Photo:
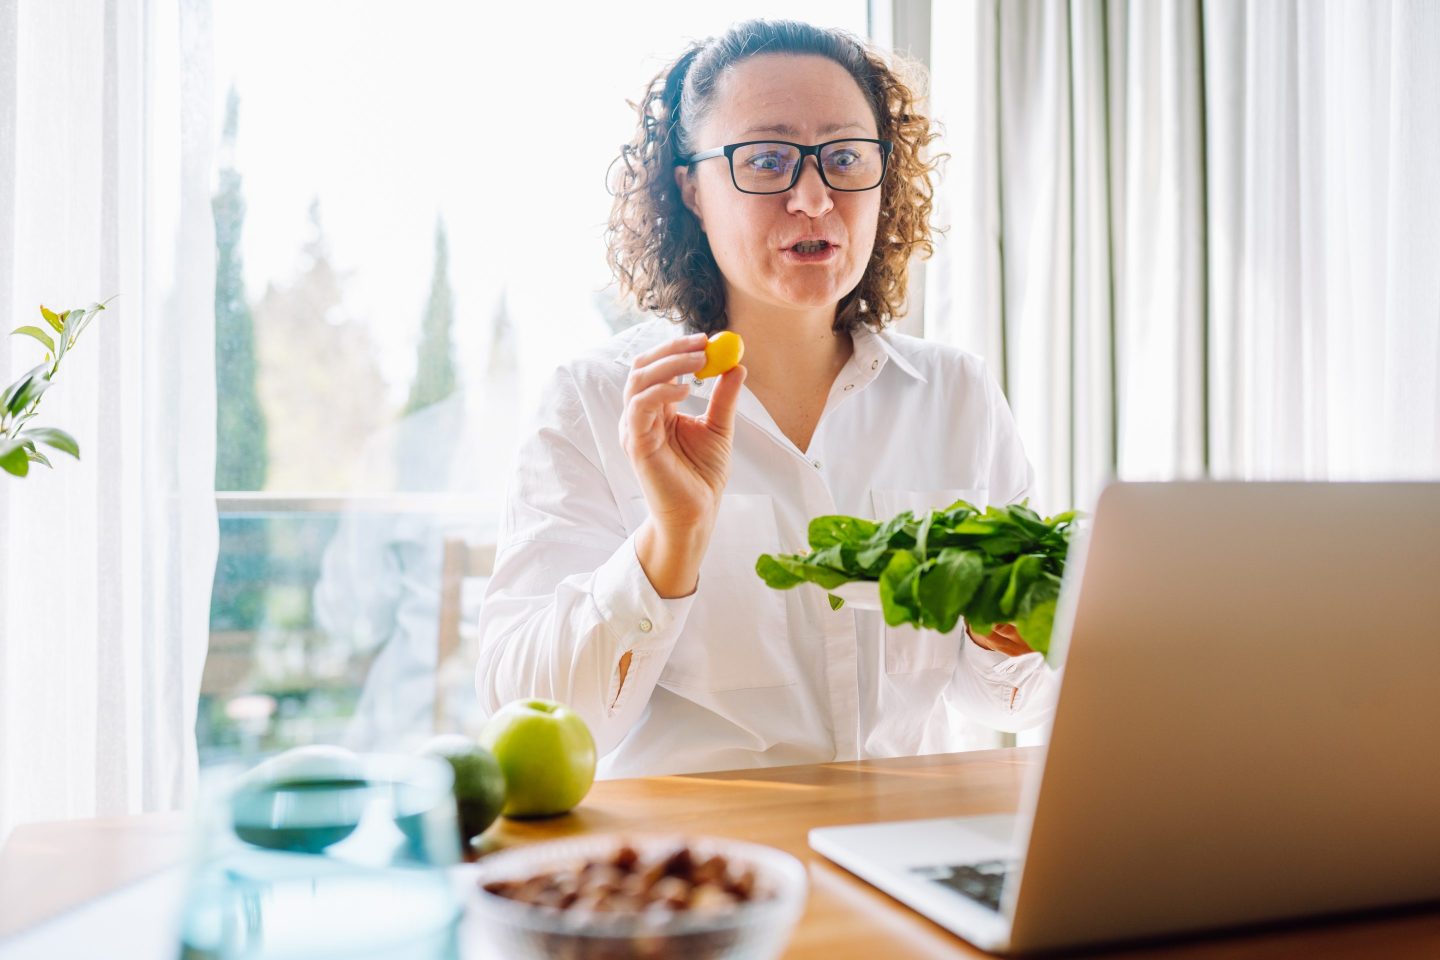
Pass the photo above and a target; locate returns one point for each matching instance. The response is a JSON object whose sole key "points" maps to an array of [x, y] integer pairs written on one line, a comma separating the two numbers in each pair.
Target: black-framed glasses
{"points": [[773, 166]]}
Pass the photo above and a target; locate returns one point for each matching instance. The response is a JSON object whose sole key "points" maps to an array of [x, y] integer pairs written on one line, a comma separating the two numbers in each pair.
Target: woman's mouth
{"points": [[810, 251]]}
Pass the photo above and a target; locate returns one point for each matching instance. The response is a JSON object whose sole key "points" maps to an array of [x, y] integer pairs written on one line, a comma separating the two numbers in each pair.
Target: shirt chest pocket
{"points": [[736, 636], [908, 650]]}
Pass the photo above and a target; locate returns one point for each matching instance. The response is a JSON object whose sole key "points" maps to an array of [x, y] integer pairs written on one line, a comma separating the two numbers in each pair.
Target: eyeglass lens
{"points": [[770, 167]]}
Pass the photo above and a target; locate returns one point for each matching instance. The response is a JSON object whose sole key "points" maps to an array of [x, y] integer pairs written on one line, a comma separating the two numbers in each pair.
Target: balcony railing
{"points": [[326, 618]]}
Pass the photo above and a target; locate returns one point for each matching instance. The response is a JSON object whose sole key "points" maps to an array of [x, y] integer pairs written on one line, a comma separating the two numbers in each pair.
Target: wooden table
{"points": [[844, 918]]}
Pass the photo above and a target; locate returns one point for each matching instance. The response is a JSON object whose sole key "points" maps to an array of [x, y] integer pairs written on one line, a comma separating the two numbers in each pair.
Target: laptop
{"points": [[1248, 728]]}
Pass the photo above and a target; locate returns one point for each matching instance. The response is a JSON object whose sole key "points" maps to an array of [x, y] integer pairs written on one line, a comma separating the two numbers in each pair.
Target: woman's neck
{"points": [[789, 352]]}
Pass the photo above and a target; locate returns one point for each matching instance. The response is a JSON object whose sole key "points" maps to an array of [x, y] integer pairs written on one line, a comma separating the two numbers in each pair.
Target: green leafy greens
{"points": [[999, 565]]}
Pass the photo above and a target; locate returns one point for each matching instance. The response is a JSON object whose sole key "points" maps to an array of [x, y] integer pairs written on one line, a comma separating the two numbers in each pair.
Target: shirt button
{"points": [[815, 464], [874, 364], [849, 386], [646, 626]]}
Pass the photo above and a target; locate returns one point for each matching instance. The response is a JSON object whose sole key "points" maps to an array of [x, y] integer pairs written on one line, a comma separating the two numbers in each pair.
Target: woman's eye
{"points": [[765, 162], [844, 158]]}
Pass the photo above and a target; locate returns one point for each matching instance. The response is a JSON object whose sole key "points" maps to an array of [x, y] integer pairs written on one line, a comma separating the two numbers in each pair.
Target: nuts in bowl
{"points": [[614, 897]]}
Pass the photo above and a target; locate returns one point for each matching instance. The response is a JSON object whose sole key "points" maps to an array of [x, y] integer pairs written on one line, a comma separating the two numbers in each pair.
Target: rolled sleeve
{"points": [[1004, 692], [629, 604], [642, 623]]}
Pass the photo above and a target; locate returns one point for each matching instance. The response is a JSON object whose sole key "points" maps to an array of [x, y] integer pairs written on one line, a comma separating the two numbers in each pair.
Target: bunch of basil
{"points": [[1000, 565]]}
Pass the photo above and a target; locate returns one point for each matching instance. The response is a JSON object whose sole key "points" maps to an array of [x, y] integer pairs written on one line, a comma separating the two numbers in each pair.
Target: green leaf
{"points": [[13, 458], [897, 594], [1036, 617], [15, 387], [52, 318], [945, 588], [872, 559], [90, 314], [976, 527], [922, 538], [1023, 573], [890, 535], [983, 611], [30, 390], [999, 565], [1005, 544], [1029, 521], [35, 456], [784, 571], [38, 334], [54, 437], [957, 513], [776, 574], [829, 531]]}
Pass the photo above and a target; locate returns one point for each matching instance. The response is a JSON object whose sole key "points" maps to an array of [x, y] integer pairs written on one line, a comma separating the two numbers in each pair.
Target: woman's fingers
{"points": [[1002, 638], [696, 341], [645, 415], [724, 399], [662, 370], [1009, 640], [680, 345]]}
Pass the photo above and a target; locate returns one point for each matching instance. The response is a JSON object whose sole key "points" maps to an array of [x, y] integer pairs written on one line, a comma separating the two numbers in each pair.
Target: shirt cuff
{"points": [[638, 617], [1000, 668]]}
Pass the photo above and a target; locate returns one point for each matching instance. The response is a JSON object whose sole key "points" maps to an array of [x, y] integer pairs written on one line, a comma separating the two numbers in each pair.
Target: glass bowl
{"points": [[499, 927]]}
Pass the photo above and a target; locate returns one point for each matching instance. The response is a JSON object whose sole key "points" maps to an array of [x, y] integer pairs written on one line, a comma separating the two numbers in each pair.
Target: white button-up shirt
{"points": [[737, 674]]}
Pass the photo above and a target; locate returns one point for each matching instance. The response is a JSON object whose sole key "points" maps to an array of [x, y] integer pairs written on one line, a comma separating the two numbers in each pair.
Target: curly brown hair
{"points": [[656, 248]]}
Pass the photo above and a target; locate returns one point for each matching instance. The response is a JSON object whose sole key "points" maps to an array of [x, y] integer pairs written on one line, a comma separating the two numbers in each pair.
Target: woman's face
{"points": [[806, 99]]}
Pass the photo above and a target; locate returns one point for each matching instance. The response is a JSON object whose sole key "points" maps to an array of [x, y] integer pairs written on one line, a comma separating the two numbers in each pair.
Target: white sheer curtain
{"points": [[1196, 238], [106, 564]]}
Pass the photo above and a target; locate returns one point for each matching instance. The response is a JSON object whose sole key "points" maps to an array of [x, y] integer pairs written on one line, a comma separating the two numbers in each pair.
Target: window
{"points": [[404, 255]]}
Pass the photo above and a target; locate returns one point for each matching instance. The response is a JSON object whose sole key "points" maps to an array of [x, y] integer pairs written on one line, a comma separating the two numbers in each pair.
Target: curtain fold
{"points": [[106, 563], [1196, 238]]}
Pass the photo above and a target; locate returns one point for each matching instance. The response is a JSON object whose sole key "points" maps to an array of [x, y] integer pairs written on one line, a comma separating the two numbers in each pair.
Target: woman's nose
{"points": [[809, 196]]}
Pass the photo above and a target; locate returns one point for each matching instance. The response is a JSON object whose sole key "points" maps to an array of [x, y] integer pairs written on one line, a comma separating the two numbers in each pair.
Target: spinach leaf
{"points": [[946, 587], [897, 589], [992, 566]]}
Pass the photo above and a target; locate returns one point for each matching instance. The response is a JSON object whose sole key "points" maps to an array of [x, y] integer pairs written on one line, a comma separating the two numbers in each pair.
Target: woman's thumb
{"points": [[720, 414]]}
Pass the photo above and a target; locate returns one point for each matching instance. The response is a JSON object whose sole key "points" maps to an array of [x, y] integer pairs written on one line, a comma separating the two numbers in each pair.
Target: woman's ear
{"points": [[686, 185]]}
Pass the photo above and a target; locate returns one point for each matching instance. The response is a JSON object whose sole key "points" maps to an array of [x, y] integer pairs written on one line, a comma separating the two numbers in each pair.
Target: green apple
{"points": [[546, 753], [479, 782]]}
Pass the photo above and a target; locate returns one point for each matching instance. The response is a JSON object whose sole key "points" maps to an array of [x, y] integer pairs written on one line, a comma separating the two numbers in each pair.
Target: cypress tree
{"points": [[435, 365], [240, 453], [241, 458]]}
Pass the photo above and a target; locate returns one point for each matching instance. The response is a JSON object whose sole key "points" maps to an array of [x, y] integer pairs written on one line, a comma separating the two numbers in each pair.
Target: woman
{"points": [[624, 583]]}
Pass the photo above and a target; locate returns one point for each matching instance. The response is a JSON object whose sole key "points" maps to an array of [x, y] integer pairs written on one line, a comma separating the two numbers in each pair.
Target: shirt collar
{"points": [[873, 349]]}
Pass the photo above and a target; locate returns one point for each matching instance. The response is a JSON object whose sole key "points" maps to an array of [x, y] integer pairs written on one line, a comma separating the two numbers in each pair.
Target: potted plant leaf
{"points": [[19, 442]]}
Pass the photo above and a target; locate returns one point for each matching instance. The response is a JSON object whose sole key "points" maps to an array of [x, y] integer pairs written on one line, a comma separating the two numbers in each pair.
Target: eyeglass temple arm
{"points": [[696, 158]]}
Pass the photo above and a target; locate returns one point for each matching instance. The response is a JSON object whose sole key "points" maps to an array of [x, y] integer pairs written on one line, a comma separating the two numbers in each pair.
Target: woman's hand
{"points": [[682, 462], [1003, 639]]}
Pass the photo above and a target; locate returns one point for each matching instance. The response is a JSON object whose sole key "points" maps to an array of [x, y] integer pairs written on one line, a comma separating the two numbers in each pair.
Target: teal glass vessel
{"points": [[350, 862]]}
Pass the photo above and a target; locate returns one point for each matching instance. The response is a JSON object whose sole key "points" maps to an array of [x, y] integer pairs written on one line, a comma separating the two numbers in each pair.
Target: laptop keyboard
{"points": [[981, 882]]}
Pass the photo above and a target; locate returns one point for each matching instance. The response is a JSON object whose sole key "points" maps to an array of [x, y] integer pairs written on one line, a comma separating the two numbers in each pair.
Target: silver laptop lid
{"points": [[1249, 726]]}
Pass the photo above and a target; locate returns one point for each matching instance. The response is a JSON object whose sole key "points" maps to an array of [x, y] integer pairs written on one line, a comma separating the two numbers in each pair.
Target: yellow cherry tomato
{"points": [[722, 353]]}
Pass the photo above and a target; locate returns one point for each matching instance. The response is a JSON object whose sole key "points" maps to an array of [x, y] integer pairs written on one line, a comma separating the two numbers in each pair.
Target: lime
{"points": [[479, 782]]}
